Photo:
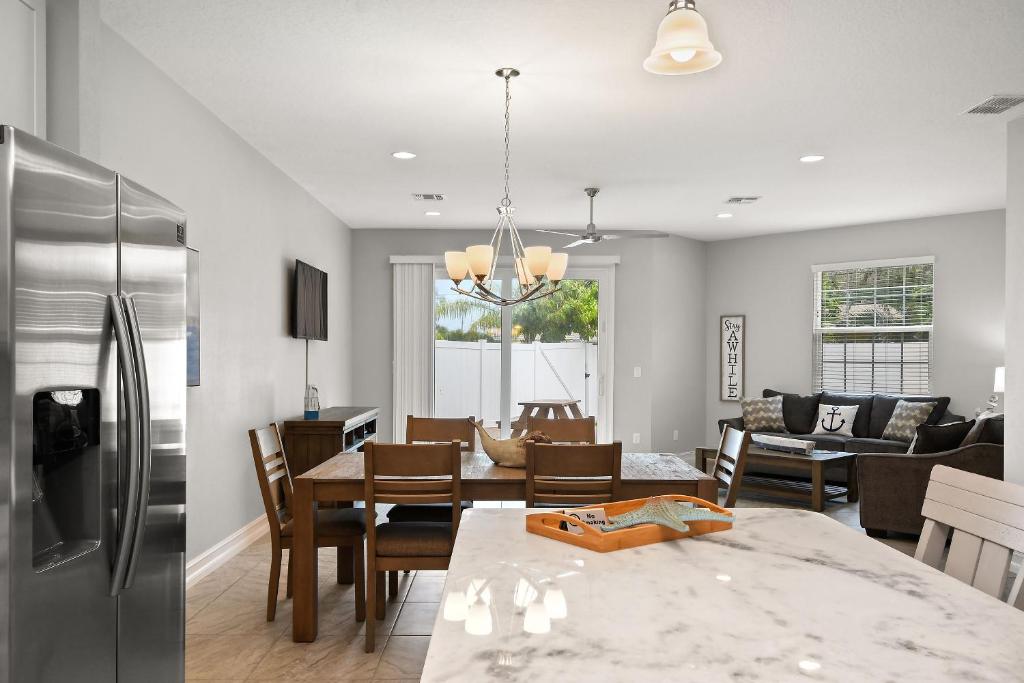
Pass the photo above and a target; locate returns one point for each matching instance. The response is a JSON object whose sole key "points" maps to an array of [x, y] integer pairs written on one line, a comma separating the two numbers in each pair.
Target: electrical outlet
{"points": [[636, 438], [636, 371], [675, 435]]}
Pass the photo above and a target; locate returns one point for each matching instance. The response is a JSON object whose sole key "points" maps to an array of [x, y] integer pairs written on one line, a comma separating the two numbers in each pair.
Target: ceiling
{"points": [[328, 89]]}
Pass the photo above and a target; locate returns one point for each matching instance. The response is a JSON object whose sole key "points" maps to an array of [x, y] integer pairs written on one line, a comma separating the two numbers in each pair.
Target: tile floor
{"points": [[227, 637]]}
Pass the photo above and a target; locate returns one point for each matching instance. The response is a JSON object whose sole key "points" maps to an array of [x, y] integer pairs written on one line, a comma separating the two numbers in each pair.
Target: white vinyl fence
{"points": [[467, 376]]}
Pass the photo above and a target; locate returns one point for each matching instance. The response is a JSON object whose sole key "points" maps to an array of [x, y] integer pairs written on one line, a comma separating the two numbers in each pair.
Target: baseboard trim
{"points": [[216, 556]]}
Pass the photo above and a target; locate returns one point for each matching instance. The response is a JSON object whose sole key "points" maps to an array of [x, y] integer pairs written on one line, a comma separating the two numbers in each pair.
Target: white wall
{"points": [[769, 280], [676, 285], [74, 59], [1015, 302], [658, 313], [23, 74], [250, 221]]}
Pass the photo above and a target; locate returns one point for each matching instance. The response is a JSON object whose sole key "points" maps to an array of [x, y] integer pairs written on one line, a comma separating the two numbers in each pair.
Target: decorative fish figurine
{"points": [[664, 512]]}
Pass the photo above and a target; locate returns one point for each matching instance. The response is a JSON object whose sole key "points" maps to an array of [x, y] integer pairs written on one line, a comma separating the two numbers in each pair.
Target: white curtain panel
{"points": [[413, 344]]}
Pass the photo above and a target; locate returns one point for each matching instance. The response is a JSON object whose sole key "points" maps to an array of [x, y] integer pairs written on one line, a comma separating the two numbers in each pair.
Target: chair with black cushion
{"points": [[434, 430], [408, 474], [564, 430], [342, 528], [558, 474]]}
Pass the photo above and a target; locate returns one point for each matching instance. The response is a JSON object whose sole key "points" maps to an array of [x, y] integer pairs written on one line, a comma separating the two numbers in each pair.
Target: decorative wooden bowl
{"points": [[507, 452], [550, 524]]}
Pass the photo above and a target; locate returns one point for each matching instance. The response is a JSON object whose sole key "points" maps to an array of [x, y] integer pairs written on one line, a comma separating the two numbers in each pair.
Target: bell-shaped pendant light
{"points": [[683, 45]]}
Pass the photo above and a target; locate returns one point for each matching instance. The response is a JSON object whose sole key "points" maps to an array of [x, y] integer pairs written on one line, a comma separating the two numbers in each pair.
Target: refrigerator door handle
{"points": [[129, 382], [145, 438]]}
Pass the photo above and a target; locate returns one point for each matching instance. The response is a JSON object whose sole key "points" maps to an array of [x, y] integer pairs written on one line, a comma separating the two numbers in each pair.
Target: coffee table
{"points": [[813, 466]]}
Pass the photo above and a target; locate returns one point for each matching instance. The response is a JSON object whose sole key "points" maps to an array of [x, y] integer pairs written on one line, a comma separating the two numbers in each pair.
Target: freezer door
{"points": [[151, 606], [58, 414]]}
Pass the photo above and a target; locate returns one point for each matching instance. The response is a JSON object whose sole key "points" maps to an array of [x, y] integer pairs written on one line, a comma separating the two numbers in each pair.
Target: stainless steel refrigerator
{"points": [[92, 422]]}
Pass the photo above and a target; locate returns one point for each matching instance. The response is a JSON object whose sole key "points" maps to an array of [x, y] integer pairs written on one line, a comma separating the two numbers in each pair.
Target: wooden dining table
{"points": [[341, 479]]}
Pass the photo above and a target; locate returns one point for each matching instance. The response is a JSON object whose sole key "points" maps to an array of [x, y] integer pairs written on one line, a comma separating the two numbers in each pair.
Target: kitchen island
{"points": [[784, 595]]}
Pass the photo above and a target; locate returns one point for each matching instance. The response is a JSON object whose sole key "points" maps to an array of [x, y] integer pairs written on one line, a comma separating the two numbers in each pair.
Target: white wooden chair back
{"points": [[731, 461], [986, 517]]}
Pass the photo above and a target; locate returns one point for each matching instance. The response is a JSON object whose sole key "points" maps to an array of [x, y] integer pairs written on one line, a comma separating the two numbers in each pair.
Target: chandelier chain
{"points": [[506, 200]]}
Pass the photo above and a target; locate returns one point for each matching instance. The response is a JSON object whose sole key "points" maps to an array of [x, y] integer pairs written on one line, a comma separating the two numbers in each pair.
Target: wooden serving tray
{"points": [[549, 523]]}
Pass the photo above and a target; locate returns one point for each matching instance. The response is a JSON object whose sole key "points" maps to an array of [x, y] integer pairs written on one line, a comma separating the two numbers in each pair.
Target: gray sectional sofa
{"points": [[800, 413]]}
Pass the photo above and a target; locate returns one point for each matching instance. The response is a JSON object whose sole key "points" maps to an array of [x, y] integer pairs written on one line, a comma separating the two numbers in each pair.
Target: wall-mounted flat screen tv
{"points": [[309, 314]]}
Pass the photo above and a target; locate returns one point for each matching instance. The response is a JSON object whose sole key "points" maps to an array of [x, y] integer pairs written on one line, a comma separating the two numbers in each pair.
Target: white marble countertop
{"points": [[784, 595]]}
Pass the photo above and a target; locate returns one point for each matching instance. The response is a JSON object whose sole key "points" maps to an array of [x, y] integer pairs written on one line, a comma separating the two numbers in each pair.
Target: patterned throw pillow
{"points": [[905, 418], [836, 420], [763, 414]]}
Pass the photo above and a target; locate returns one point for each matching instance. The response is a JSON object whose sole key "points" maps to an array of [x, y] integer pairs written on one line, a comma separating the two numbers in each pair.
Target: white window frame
{"points": [[817, 329], [597, 268]]}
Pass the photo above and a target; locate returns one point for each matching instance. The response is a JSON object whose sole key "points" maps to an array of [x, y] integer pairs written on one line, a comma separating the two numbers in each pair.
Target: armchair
{"points": [[892, 485]]}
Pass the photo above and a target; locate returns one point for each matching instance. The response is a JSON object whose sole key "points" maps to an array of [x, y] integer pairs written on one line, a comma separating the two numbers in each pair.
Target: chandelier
{"points": [[538, 271]]}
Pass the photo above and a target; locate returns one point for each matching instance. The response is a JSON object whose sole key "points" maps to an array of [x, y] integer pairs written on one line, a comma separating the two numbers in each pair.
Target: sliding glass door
{"points": [[547, 356]]}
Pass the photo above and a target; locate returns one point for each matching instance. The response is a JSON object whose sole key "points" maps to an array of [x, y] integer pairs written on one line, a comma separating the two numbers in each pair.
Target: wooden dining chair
{"points": [[986, 518], [342, 528], [558, 474], [730, 461], [411, 474], [433, 430], [441, 430], [564, 430]]}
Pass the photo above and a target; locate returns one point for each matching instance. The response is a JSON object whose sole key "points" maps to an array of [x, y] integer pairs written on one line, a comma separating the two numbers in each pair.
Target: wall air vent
{"points": [[741, 200], [428, 197], [997, 104]]}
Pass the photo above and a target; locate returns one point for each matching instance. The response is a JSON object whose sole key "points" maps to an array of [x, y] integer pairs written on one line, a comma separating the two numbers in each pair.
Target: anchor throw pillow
{"points": [[905, 419], [836, 420], [763, 414]]}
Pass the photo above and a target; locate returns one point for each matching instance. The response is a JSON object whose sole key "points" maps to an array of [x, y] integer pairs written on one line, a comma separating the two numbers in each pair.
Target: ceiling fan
{"points": [[591, 236]]}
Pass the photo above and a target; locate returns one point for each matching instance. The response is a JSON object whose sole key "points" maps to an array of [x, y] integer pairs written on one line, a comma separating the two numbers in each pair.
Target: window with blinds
{"points": [[873, 326]]}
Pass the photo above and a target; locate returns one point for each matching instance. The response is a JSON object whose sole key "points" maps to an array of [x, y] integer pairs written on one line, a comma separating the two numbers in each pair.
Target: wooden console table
{"points": [[307, 443]]}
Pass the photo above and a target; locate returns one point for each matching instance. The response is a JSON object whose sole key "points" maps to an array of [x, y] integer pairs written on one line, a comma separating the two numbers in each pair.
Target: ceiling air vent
{"points": [[741, 200], [997, 104], [428, 197]]}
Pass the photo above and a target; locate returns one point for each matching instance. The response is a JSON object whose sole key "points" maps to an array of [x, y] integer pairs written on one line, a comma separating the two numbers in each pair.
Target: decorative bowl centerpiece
{"points": [[508, 452]]}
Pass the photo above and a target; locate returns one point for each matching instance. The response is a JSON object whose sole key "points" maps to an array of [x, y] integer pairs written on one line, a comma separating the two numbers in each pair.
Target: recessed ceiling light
{"points": [[403, 155], [812, 158], [724, 215], [431, 213]]}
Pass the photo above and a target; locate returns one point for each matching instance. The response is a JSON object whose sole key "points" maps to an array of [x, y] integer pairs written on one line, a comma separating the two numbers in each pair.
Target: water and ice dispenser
{"points": [[66, 484]]}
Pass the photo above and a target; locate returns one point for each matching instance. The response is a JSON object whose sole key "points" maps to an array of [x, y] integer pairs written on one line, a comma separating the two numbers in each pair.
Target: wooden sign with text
{"points": [[732, 332]]}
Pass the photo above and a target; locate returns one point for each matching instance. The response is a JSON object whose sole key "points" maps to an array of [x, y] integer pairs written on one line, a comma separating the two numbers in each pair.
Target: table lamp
{"points": [[998, 387]]}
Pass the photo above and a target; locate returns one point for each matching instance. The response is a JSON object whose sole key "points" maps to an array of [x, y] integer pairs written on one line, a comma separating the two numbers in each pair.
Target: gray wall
{"points": [[250, 221], [73, 63], [658, 310], [1015, 302], [769, 280]]}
